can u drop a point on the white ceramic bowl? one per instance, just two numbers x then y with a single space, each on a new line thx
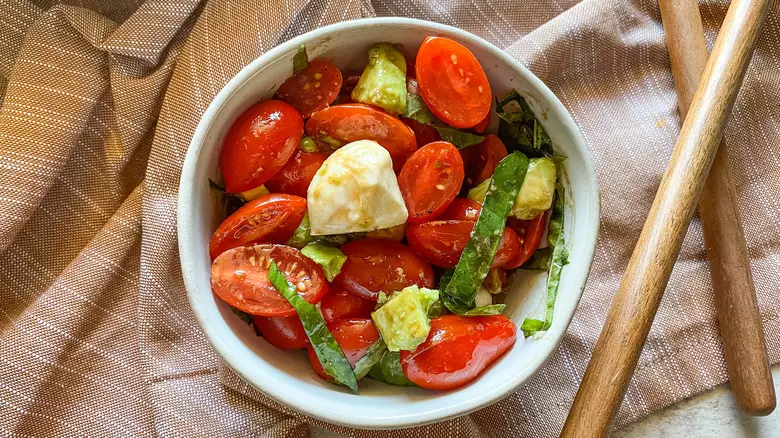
287 376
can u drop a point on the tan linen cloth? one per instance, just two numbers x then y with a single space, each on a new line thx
99 102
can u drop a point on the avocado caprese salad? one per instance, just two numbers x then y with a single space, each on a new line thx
373 219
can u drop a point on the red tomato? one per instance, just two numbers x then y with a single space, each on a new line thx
339 304
462 209
313 88
423 133
258 144
296 175
485 157
442 242
355 121
354 336
430 180
457 350
283 332
268 219
375 265
529 234
239 277
482 126
350 81
452 82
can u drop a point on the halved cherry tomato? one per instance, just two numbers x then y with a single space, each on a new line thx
485 157
355 121
239 276
350 81
529 234
283 332
430 180
462 209
482 126
375 265
354 336
339 304
258 144
269 219
294 178
442 242
423 133
452 82
457 350
313 88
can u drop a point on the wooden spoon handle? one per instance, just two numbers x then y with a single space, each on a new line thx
735 294
639 294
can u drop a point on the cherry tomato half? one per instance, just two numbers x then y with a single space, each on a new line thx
258 144
442 242
462 209
529 234
452 82
457 350
239 277
355 121
430 180
423 133
482 126
313 88
283 332
484 159
269 219
294 178
375 265
339 304
354 336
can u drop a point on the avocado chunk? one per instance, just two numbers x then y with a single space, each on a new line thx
330 258
403 321
383 82
538 189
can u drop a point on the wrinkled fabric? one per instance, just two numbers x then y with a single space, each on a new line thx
100 100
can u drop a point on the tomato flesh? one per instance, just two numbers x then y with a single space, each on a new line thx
313 88
339 304
354 336
283 332
457 350
430 180
258 144
269 219
529 234
462 209
239 277
442 242
423 133
452 82
295 177
354 121
482 126
375 265
485 158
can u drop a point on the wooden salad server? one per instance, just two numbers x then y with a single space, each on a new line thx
639 294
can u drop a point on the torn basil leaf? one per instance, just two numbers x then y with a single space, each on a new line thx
417 110
300 60
390 371
330 355
243 316
460 139
372 357
493 309
539 261
519 128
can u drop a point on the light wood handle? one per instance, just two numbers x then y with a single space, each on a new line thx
735 294
636 301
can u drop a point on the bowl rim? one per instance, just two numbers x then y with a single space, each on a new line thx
274 390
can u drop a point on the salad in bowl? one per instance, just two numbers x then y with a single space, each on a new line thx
375 217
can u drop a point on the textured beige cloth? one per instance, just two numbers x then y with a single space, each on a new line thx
99 102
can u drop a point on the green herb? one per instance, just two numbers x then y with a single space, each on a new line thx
330 355
539 261
300 60
436 309
519 128
308 144
243 316
474 263
461 139
372 357
417 110
558 259
330 258
302 236
492 309
389 370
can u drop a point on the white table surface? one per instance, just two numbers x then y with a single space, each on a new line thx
713 414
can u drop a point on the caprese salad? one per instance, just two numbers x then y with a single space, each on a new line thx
373 218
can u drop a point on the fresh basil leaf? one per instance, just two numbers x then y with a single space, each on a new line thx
436 309
519 128
474 263
302 236
389 370
417 110
461 139
330 355
372 357
558 259
445 278
243 316
539 261
300 60
493 309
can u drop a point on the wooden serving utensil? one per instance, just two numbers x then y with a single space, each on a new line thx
639 294
735 294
